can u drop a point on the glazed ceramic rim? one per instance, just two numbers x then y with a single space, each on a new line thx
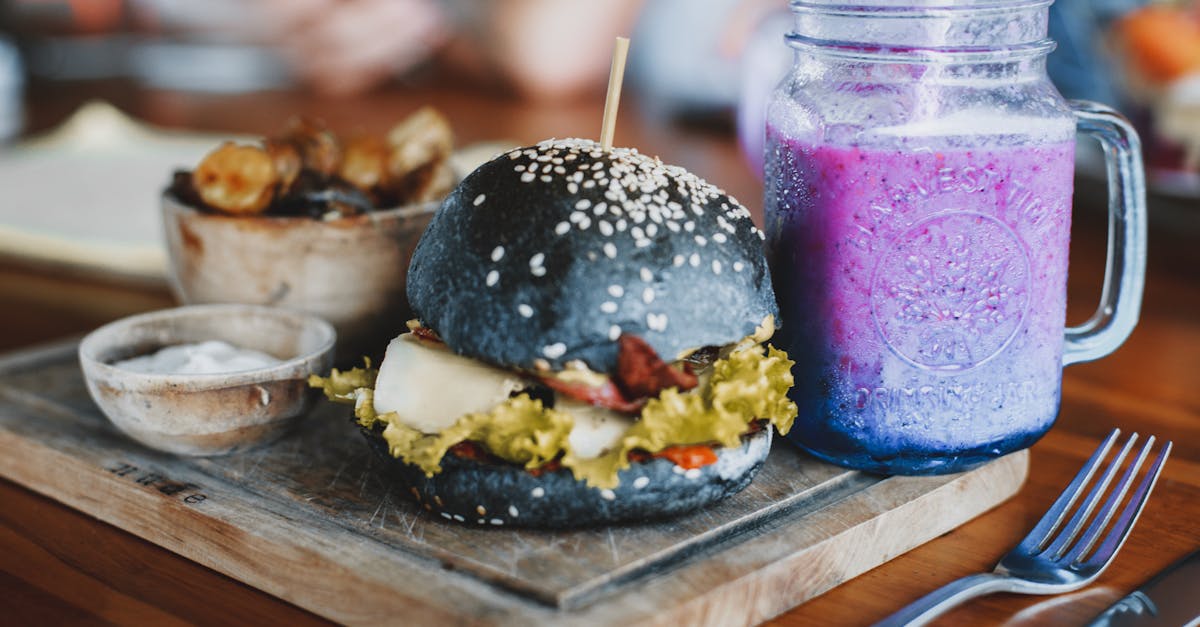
104 338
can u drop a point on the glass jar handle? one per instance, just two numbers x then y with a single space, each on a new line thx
1125 270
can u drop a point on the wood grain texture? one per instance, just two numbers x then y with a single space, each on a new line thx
316 508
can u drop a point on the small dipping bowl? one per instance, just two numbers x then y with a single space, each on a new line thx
350 271
207 414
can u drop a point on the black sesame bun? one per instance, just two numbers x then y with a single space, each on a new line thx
546 254
487 493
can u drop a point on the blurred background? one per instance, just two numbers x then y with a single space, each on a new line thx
705 62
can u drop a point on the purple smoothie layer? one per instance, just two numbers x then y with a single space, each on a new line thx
923 296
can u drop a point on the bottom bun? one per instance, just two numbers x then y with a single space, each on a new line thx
485 493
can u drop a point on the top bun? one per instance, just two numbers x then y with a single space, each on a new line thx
546 254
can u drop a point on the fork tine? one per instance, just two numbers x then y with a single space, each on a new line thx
1120 531
1110 506
1067 534
1037 539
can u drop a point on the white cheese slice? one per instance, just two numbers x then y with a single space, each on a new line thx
430 388
596 429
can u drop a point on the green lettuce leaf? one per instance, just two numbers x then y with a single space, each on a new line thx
749 383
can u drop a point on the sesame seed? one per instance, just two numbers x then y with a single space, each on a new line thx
610 250
527 177
459 518
492 278
497 253
679 470
719 238
701 241
648 295
694 260
481 510
646 274
692 473
716 266
606 229
738 266
497 522
651 230
555 350
525 310
520 167
546 178
537 493
616 290
585 223
583 204
614 332
481 521
608 307
561 228
538 271
572 188
689 226
537 260
512 511
656 322
678 261
479 199
608 495
638 233
641 482
642 243
445 515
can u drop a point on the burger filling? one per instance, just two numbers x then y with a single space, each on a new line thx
428 401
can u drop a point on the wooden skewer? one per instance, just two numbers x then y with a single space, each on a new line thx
615 75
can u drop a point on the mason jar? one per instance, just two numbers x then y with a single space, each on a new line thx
919 172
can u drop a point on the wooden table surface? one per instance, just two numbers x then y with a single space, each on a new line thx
58 565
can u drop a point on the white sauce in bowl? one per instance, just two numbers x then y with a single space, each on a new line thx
211 357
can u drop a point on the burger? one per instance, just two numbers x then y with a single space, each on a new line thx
589 346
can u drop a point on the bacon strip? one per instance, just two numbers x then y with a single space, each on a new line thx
608 395
427 334
641 373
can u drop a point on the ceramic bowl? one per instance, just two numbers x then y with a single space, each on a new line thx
350 271
207 414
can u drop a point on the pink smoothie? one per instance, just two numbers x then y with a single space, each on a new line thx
922 295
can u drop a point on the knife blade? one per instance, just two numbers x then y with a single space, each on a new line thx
1172 597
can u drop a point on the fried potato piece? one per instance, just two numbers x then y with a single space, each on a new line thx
364 162
285 158
420 139
319 148
235 179
438 185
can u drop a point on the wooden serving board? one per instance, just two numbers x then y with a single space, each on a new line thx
311 519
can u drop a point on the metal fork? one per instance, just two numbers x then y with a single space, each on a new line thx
1049 560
